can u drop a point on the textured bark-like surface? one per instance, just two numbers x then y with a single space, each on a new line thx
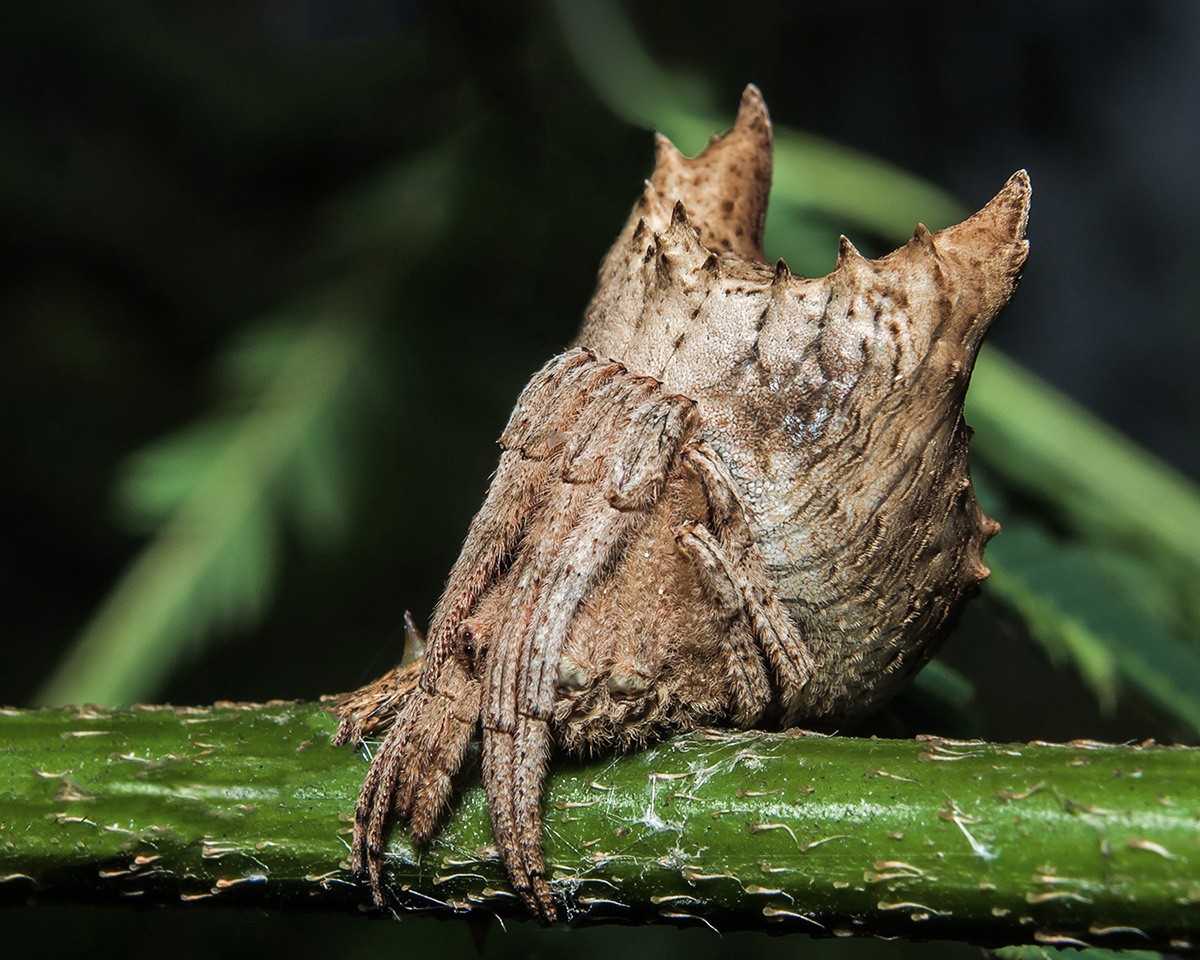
836 403
743 499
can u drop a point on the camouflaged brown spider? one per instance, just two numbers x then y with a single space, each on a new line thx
742 498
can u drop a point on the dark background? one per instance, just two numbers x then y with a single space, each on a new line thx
164 174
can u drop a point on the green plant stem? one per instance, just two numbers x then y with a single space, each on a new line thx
982 842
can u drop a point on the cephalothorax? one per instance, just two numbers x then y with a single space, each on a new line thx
742 498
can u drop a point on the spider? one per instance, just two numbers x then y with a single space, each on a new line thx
742 498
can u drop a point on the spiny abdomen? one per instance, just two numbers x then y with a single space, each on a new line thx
835 402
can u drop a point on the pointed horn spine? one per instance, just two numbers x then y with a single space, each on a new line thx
847 254
989 525
680 246
1006 214
752 109
922 236
414 641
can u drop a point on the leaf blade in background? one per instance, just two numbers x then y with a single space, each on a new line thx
278 453
212 565
1091 478
1079 610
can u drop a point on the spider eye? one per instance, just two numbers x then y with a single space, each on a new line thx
469 644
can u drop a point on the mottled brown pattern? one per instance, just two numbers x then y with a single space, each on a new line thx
760 514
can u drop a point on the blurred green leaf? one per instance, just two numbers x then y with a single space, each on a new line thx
946 695
941 682
1082 611
162 477
1086 475
278 452
221 492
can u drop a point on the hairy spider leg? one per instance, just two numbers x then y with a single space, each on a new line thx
732 564
412 772
746 675
615 468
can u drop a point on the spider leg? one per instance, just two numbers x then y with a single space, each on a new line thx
523 662
613 472
532 443
586 455
411 775
432 706
731 550
374 805
514 768
749 686
447 731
